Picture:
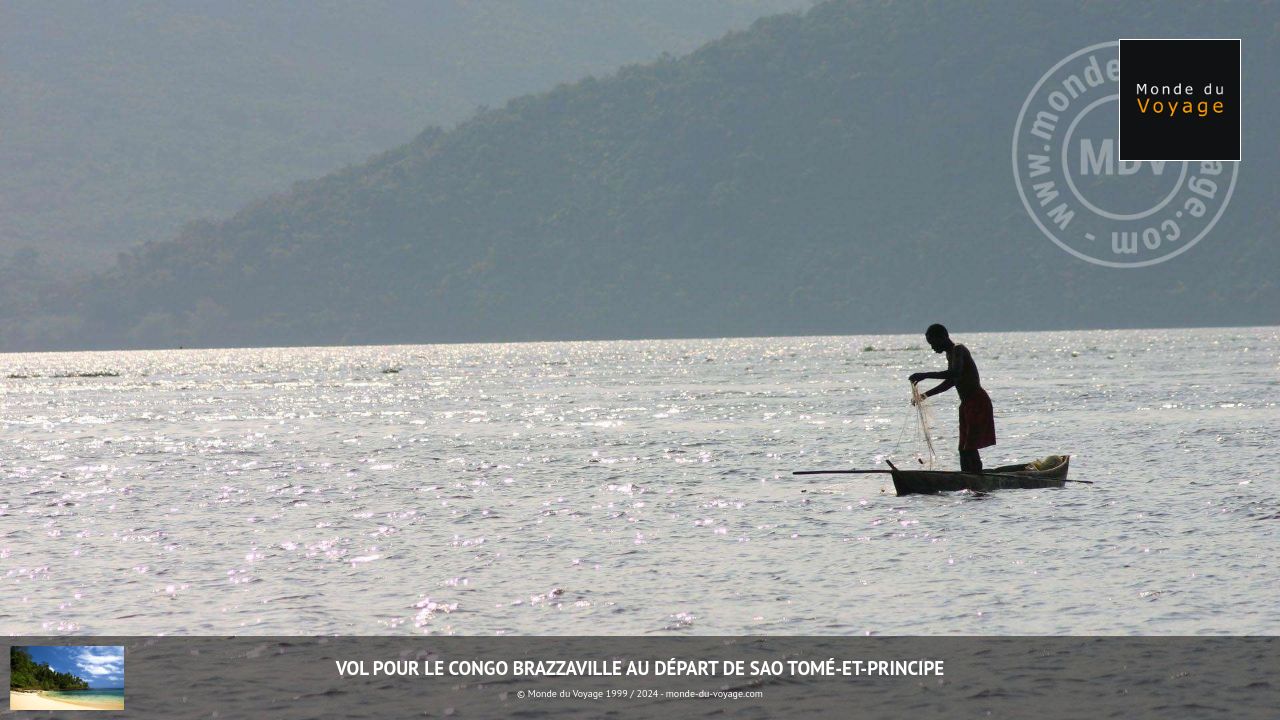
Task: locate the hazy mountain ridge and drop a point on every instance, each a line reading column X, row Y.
column 123, row 121
column 844, row 171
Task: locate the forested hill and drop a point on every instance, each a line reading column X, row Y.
column 121, row 121
column 847, row 170
column 25, row 674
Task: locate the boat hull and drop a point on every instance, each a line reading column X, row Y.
column 1009, row 477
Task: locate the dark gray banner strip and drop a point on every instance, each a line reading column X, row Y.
column 666, row 677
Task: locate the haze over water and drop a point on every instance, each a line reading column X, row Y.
column 635, row 488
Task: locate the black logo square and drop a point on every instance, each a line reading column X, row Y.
column 1179, row 99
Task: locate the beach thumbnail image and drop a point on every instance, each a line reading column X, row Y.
column 66, row 677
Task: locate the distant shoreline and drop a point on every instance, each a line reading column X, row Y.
column 623, row 338
column 32, row 700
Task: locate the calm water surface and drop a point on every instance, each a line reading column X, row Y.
column 636, row 487
column 104, row 698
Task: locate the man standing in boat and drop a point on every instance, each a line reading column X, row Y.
column 977, row 419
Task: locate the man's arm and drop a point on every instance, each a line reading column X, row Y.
column 955, row 363
column 942, row 387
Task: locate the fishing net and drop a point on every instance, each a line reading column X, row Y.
column 925, row 454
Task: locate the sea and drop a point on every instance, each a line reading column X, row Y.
column 97, row 698
column 638, row 488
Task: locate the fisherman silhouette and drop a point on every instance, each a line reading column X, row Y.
column 977, row 419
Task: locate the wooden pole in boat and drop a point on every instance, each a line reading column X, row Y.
column 838, row 472
column 848, row 472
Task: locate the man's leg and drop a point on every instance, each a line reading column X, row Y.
column 970, row 461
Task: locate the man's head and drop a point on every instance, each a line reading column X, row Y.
column 938, row 338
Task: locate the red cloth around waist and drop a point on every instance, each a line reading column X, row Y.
column 977, row 421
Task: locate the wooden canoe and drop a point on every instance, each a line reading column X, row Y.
column 909, row 482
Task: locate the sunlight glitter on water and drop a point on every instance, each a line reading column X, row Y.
column 646, row 483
